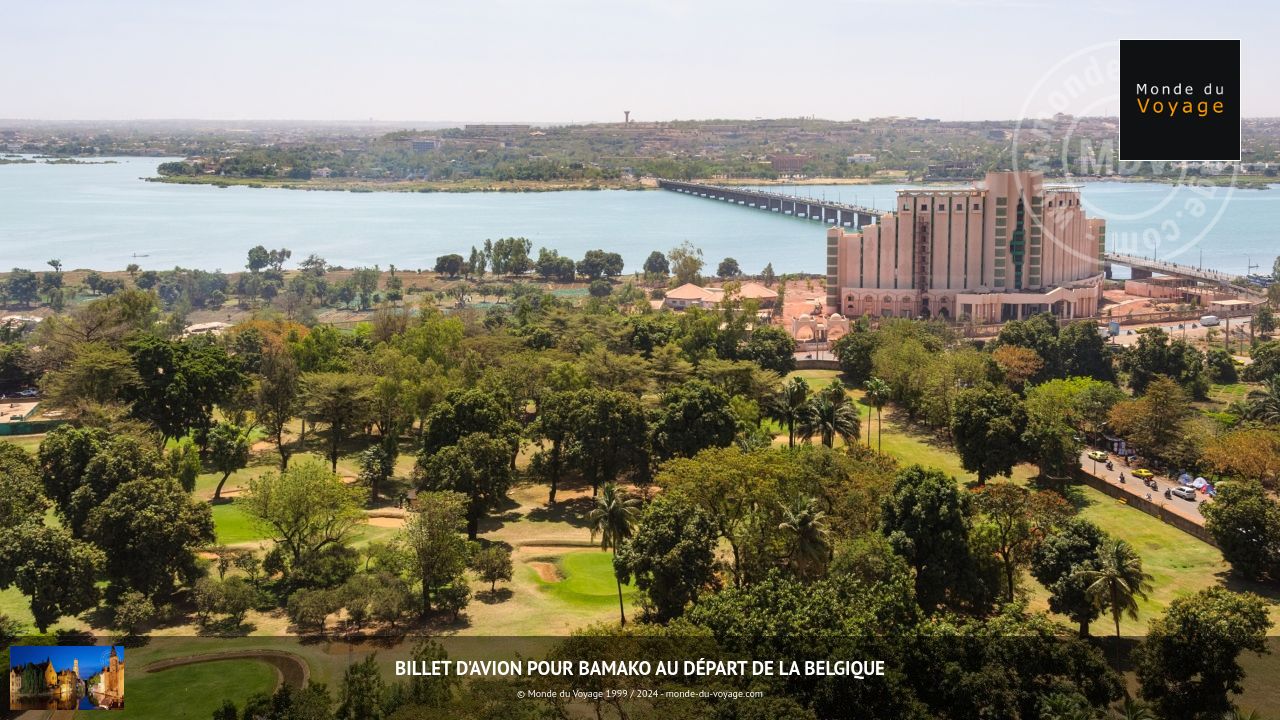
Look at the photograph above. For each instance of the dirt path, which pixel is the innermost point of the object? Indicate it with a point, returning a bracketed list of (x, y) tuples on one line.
[(289, 668)]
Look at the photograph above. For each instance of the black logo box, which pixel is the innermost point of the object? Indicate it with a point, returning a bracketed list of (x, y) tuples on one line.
[(1189, 65)]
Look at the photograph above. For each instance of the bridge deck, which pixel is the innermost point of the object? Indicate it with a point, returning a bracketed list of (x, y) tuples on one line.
[(727, 191), (1168, 268)]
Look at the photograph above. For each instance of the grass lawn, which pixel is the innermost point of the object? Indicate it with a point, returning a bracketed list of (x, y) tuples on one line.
[(233, 526), (195, 691), (586, 579), (30, 443), (1179, 563)]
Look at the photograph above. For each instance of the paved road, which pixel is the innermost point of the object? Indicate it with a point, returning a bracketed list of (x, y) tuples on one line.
[(1133, 486)]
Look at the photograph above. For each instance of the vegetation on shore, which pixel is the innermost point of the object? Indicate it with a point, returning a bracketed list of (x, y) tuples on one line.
[(550, 464)]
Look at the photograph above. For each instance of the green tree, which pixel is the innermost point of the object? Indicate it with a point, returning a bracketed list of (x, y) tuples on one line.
[(182, 382), (805, 525), (656, 265), (855, 350), (462, 413), (23, 286), (1016, 519), (1245, 521), (184, 463), (877, 396), (493, 564), (307, 508), (986, 427), (151, 530), (790, 406), (927, 522), (363, 693), (82, 467), (277, 400), (133, 611), (258, 259), (598, 264), (686, 263), (1156, 422), (1060, 563), (671, 556), (772, 348), (1264, 320), (21, 492), (612, 519), (451, 265), (1118, 582), (830, 417), (556, 423), (228, 446), (339, 400), (693, 416), (479, 467), (1084, 352), (728, 269), (377, 465), (1155, 355), (236, 598), (1038, 333), (439, 552), (1189, 665), (97, 373), (54, 570), (1263, 403)]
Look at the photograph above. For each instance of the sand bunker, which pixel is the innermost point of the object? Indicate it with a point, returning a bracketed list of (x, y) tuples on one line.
[(547, 572)]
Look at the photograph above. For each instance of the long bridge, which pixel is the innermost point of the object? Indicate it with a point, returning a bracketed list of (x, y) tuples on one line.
[(830, 213), (1144, 267)]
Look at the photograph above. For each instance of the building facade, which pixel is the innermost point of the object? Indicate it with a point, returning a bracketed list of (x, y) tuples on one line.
[(1003, 249)]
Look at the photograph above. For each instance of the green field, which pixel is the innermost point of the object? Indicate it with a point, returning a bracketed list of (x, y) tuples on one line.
[(194, 691), (1179, 563), (587, 579), (233, 526)]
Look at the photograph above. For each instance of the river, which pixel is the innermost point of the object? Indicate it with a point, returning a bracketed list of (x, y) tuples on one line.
[(103, 216)]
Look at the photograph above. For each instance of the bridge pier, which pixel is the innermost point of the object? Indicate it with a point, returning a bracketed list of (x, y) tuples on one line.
[(829, 213)]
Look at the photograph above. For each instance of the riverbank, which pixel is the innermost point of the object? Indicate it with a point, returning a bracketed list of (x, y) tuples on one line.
[(403, 186), (891, 177)]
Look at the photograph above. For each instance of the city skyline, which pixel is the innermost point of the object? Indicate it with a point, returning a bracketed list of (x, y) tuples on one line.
[(571, 61)]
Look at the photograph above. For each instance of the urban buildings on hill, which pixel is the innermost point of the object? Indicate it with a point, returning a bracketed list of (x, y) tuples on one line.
[(1002, 249)]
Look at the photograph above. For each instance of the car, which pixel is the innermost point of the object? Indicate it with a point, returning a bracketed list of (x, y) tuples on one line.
[(1098, 455), (1143, 473), (1185, 492)]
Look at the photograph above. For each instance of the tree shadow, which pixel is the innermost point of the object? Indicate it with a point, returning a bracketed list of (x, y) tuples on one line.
[(74, 637), (226, 627), (573, 512), (1235, 582), (493, 597)]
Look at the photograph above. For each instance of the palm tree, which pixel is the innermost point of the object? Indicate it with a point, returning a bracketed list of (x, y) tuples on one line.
[(806, 523), (1263, 404), (828, 418), (1118, 583), (877, 395), (790, 407), (1133, 709), (612, 517)]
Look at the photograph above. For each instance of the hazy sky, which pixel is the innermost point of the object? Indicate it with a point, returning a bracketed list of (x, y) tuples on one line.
[(581, 60)]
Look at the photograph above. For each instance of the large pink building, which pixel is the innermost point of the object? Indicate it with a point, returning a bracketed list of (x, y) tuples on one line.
[(1005, 248)]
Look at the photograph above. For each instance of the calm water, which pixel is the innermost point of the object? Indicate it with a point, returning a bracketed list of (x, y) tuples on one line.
[(101, 216)]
